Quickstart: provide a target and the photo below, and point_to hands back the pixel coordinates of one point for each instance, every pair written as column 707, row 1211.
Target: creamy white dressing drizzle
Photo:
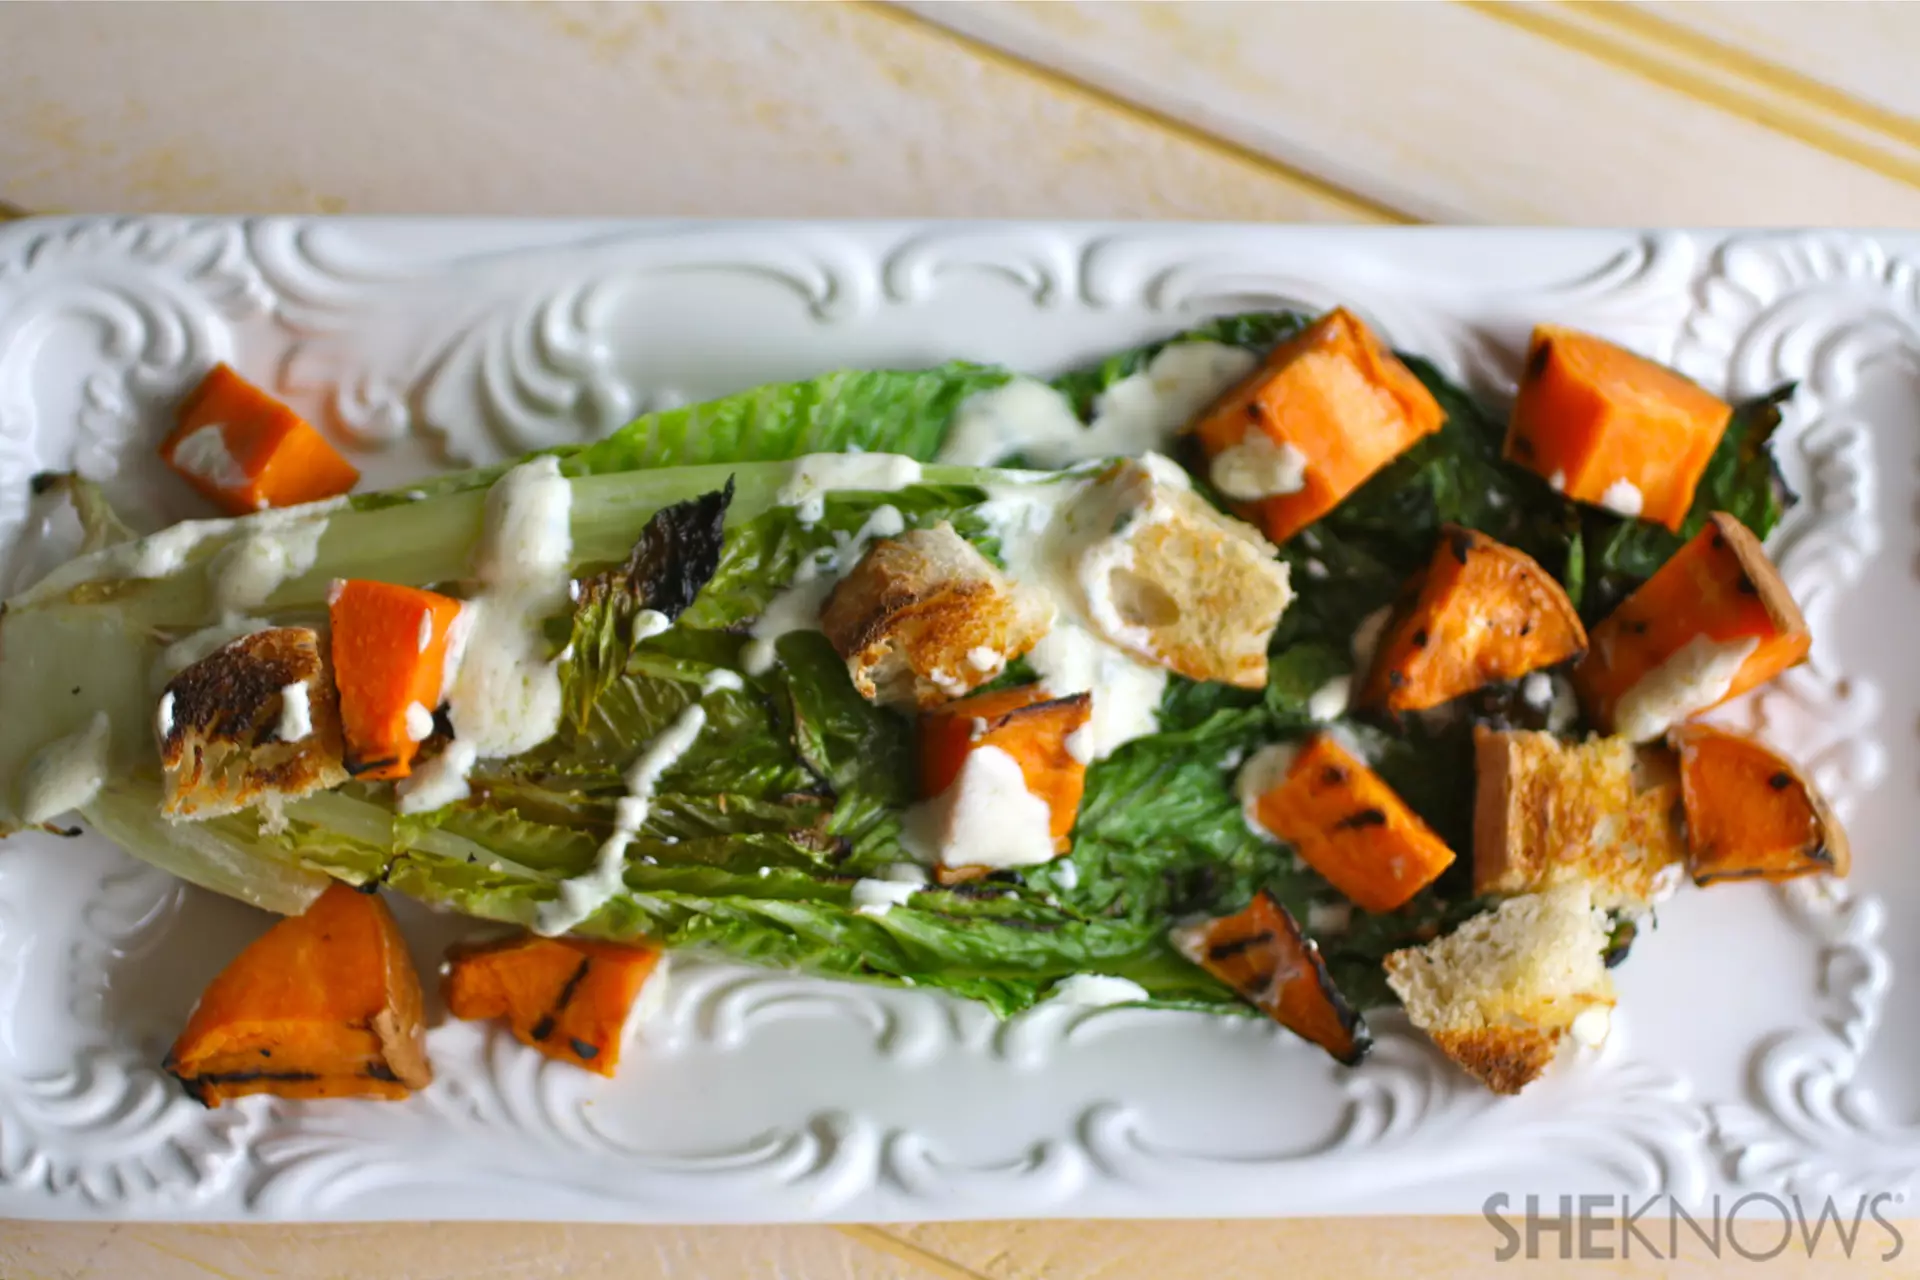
column 1257, row 468
column 819, row 474
column 504, row 695
column 798, row 607
column 1366, row 637
column 1329, row 701
column 1590, row 1027
column 163, row 716
column 582, row 895
column 892, row 888
column 986, row 818
column 1623, row 498
column 1097, row 990
column 67, row 773
column 419, row 722
column 1041, row 548
column 203, row 453
column 1264, row 770
column 296, row 713
column 1696, row 676
column 1140, row 413
column 254, row 566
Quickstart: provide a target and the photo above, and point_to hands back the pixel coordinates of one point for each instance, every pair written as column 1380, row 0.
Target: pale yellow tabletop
column 1461, row 112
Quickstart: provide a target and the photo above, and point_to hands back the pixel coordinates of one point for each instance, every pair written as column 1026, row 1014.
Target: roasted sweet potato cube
column 1030, row 725
column 1262, row 954
column 1611, row 428
column 390, row 647
column 245, row 451
column 1348, row 825
column 1482, row 613
column 1604, row 813
column 1711, row 623
column 1751, row 813
column 1327, row 409
column 567, row 997
column 325, row 1004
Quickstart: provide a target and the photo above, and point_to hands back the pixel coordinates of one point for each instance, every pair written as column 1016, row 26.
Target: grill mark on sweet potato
column 1234, row 946
column 1362, row 818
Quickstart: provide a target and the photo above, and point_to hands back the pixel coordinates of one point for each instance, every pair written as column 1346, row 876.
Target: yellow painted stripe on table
column 1364, row 208
column 1815, row 96
column 1784, row 114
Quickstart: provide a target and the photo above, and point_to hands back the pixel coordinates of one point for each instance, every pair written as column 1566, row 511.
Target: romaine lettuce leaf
column 795, row 789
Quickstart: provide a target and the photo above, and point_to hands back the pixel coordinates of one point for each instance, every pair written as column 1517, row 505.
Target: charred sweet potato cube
column 390, row 646
column 1328, row 408
column 1033, row 727
column 246, row 451
column 1711, row 623
column 567, row 997
column 325, row 1004
column 1751, row 813
column 1261, row 953
column 1481, row 613
column 1608, row 427
column 1347, row 824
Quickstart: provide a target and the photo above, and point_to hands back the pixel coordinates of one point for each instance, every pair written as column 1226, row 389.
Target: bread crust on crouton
column 1500, row 992
column 1505, row 1059
column 220, row 748
column 1601, row 811
column 924, row 618
column 1167, row 577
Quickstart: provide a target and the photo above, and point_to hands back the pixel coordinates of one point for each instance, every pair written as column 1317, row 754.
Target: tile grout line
column 880, row 1240
column 1671, row 75
column 1816, row 95
column 1362, row 206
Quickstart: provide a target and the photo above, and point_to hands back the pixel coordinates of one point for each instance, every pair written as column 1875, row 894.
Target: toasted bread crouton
column 1167, row 577
column 257, row 721
column 925, row 617
column 1602, row 812
column 1500, row 992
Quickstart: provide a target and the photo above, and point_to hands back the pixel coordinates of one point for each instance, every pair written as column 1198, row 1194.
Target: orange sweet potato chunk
column 567, row 997
column 1719, row 593
column 1335, row 397
column 325, row 1004
column 245, row 451
column 1608, row 427
column 1346, row 823
column 1028, row 724
column 389, row 658
column 1751, row 813
column 1261, row 953
column 1481, row 613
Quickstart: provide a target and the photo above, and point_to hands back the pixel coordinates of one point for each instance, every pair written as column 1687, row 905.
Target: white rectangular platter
column 1766, row 1037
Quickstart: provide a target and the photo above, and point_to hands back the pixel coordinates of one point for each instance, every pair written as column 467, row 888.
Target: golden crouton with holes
column 256, row 722
column 925, row 617
column 1166, row 576
column 1500, row 993
column 1603, row 812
